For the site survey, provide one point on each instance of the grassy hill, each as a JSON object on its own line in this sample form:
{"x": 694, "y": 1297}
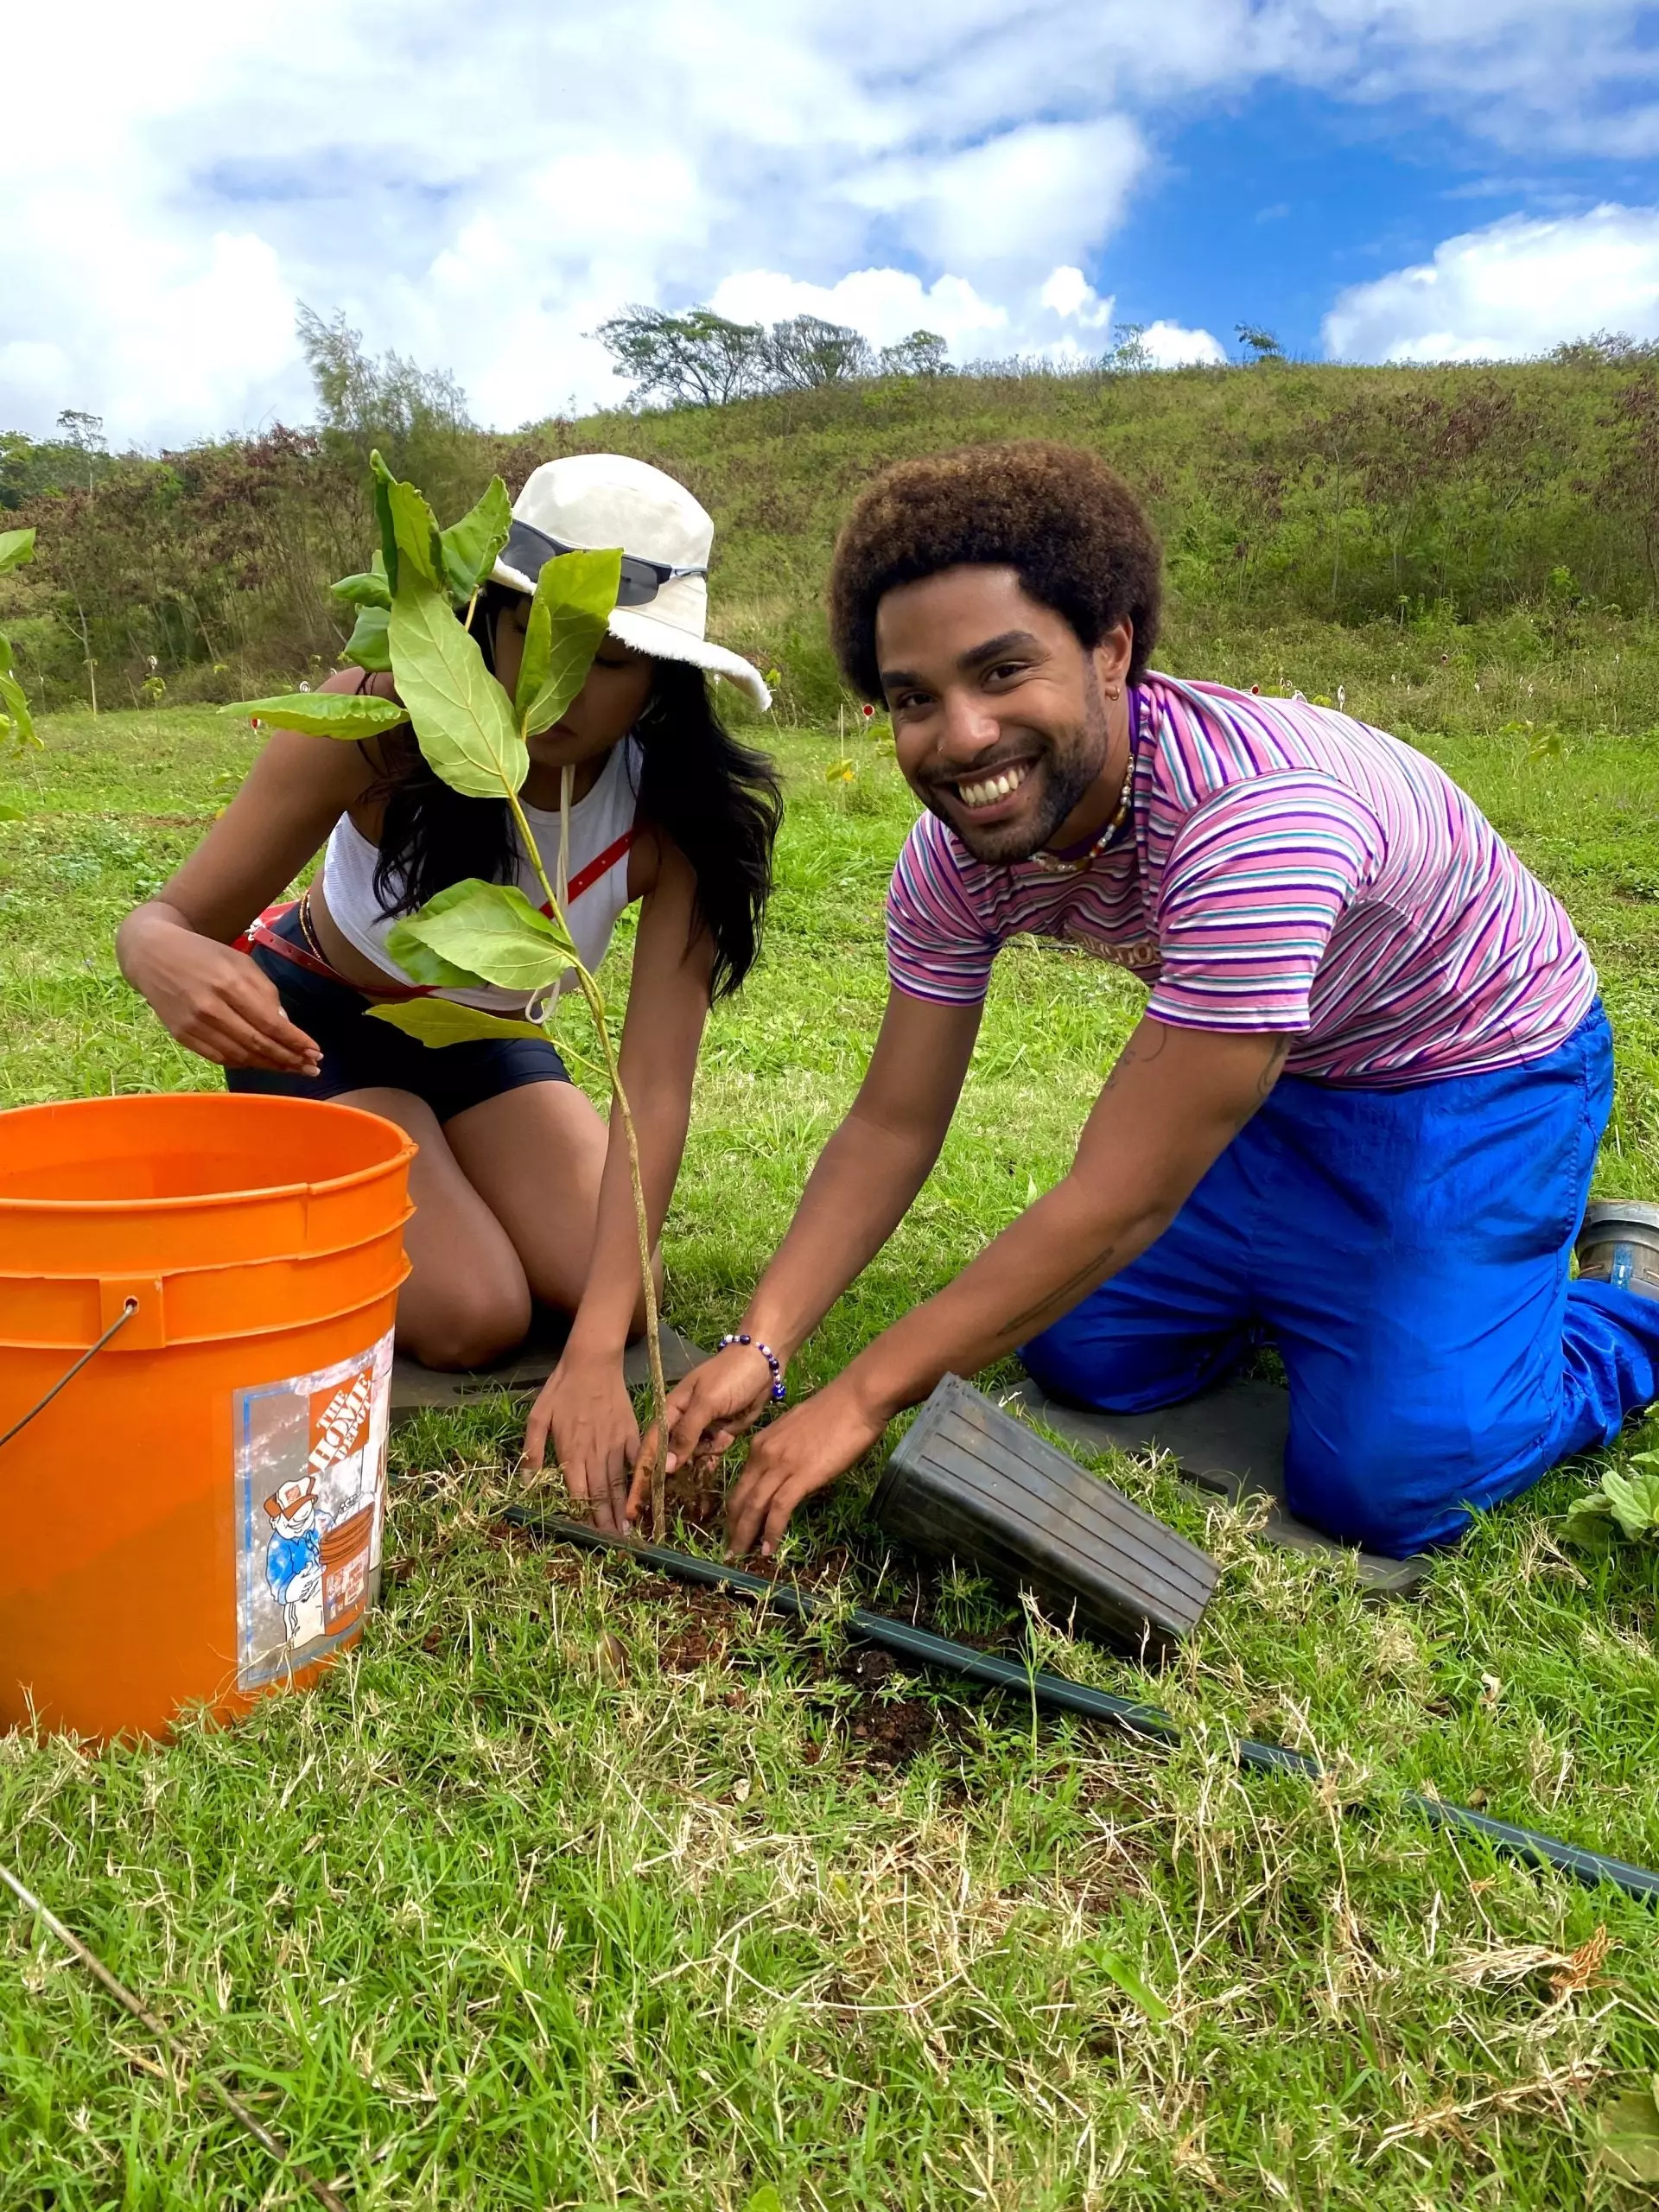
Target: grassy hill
{"x": 1325, "y": 525}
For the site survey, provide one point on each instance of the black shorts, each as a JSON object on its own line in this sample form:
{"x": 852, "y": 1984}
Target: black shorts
{"x": 358, "y": 1054}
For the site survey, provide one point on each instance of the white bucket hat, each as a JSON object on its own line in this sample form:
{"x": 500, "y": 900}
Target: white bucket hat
{"x": 601, "y": 499}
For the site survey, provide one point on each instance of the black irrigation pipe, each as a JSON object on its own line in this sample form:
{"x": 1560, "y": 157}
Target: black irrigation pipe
{"x": 1057, "y": 1695}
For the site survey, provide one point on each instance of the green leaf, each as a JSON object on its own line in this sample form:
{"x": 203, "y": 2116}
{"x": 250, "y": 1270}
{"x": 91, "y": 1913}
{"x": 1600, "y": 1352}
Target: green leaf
{"x": 441, "y": 1021}
{"x": 1635, "y": 1499}
{"x": 368, "y": 590}
{"x": 409, "y": 528}
{"x": 574, "y": 595}
{"x": 1627, "y": 2131}
{"x": 16, "y": 724}
{"x": 461, "y": 714}
{"x": 368, "y": 647}
{"x": 16, "y": 546}
{"x": 766, "y": 2199}
{"x": 1588, "y": 1521}
{"x": 471, "y": 545}
{"x": 326, "y": 714}
{"x": 1132, "y": 1983}
{"x": 382, "y": 479}
{"x": 10, "y": 810}
{"x": 483, "y": 931}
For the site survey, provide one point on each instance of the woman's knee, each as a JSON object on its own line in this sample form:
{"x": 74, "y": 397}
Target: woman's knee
{"x": 456, "y": 1332}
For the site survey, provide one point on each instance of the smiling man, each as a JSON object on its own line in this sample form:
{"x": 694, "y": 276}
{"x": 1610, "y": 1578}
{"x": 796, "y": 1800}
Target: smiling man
{"x": 1358, "y": 1118}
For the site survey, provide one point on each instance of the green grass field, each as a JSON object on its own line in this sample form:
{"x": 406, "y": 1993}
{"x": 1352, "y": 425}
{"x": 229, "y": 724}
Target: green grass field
{"x": 570, "y": 1890}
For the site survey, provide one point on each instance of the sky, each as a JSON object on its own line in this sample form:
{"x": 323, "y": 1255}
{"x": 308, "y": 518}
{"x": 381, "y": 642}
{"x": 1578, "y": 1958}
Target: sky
{"x": 1370, "y": 180}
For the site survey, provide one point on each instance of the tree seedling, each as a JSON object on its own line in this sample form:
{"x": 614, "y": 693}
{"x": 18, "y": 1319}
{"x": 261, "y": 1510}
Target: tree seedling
{"x": 476, "y": 935}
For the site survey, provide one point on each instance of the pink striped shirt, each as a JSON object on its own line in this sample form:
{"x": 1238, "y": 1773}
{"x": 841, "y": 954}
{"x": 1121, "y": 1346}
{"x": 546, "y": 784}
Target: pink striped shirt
{"x": 1290, "y": 869}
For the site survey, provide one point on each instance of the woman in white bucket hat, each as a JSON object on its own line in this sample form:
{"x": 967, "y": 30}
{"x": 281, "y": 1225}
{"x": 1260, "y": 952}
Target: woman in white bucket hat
{"x": 519, "y": 1192}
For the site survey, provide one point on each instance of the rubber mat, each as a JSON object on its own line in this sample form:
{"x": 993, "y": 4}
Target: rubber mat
{"x": 523, "y": 1372}
{"x": 1230, "y": 1441}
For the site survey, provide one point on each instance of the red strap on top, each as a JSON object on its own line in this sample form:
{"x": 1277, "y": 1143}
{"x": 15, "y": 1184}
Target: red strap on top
{"x": 586, "y": 878}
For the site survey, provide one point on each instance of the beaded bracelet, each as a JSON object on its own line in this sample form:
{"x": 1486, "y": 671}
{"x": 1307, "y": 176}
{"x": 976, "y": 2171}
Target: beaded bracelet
{"x": 778, "y": 1393}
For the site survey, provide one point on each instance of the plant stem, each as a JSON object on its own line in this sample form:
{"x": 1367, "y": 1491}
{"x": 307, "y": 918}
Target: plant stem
{"x": 591, "y": 993}
{"x": 176, "y": 2051}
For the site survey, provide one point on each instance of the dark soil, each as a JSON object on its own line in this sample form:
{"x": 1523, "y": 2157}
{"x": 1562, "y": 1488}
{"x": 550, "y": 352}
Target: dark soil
{"x": 701, "y": 1629}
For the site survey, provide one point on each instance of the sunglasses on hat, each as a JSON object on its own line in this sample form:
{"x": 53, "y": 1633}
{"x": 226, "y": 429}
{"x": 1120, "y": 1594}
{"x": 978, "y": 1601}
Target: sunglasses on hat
{"x": 528, "y": 550}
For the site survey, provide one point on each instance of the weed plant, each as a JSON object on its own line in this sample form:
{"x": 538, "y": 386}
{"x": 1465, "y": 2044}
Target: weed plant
{"x": 572, "y": 1889}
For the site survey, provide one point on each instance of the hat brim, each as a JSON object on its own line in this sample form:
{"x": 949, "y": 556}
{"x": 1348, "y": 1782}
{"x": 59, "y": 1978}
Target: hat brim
{"x": 632, "y": 626}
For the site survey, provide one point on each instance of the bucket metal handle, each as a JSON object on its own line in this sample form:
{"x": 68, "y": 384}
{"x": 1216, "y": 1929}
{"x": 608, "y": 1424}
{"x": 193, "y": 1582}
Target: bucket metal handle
{"x": 128, "y": 1307}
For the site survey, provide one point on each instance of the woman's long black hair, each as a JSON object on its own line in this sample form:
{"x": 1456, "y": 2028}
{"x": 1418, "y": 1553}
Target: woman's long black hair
{"x": 718, "y": 800}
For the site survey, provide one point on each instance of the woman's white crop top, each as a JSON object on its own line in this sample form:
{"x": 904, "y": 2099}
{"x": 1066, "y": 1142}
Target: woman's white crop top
{"x": 601, "y": 833}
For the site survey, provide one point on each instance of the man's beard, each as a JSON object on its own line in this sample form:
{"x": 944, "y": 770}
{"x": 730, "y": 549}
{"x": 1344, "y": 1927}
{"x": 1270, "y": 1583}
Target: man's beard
{"x": 1067, "y": 765}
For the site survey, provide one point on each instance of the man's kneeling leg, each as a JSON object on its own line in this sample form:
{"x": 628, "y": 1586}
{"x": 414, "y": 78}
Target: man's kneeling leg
{"x": 1173, "y": 1322}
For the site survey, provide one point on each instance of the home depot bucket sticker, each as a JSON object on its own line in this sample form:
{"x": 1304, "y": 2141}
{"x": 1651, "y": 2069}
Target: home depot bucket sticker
{"x": 311, "y": 1494}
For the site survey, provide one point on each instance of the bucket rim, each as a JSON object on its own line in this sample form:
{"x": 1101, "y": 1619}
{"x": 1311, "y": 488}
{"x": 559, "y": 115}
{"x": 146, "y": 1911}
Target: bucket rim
{"x": 1608, "y": 1213}
{"x": 202, "y": 1200}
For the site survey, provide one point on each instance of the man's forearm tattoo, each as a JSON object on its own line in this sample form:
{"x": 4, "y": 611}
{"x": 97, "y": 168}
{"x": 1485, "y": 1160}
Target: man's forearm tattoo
{"x": 1067, "y": 1292}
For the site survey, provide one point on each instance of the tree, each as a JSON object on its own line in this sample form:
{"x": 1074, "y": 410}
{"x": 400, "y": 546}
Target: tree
{"x": 807, "y": 352}
{"x": 696, "y": 359}
{"x": 921, "y": 354}
{"x": 85, "y": 433}
{"x": 1261, "y": 344}
{"x": 1130, "y": 354}
{"x": 390, "y": 402}
{"x": 30, "y": 467}
{"x": 1602, "y": 349}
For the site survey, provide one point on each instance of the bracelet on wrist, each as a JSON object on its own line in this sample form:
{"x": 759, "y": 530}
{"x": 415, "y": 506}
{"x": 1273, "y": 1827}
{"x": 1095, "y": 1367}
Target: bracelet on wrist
{"x": 779, "y": 1392}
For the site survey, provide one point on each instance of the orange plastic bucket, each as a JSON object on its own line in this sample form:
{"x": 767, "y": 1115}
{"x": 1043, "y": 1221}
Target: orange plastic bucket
{"x": 196, "y": 1516}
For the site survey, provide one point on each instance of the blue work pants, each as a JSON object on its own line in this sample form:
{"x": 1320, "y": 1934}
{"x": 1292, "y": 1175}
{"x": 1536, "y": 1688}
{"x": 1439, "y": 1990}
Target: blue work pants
{"x": 1408, "y": 1252}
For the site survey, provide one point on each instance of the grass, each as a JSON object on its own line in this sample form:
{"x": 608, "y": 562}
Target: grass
{"x": 574, "y": 1890}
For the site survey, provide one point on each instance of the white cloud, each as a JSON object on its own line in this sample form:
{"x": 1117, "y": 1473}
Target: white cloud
{"x": 1026, "y": 196}
{"x": 1173, "y": 347}
{"x": 1068, "y": 293}
{"x": 481, "y": 189}
{"x": 1513, "y": 289}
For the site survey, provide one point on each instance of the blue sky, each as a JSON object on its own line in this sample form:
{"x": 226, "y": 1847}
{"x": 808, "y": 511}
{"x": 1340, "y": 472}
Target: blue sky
{"x": 1268, "y": 208}
{"x": 1371, "y": 179}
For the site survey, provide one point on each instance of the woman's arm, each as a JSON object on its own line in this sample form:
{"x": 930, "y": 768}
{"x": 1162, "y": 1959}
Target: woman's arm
{"x": 584, "y": 1411}
{"x": 175, "y": 948}
{"x": 668, "y": 1007}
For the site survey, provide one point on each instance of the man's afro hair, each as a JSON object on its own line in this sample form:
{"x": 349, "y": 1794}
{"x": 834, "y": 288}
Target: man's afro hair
{"x": 1076, "y": 535}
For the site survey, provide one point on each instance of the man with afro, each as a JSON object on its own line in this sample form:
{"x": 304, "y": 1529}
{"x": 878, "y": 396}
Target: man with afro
{"x": 1357, "y": 1119}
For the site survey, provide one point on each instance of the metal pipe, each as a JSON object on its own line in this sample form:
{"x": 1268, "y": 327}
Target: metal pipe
{"x": 1055, "y": 1693}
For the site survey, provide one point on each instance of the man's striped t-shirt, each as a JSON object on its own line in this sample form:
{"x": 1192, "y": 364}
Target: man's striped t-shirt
{"x": 1290, "y": 869}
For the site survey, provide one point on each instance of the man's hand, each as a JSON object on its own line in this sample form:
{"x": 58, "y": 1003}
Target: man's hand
{"x": 585, "y": 1413}
{"x": 806, "y": 1450}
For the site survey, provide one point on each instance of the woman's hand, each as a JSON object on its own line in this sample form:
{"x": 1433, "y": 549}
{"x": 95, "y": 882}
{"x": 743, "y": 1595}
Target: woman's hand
{"x": 585, "y": 1413}
{"x": 213, "y": 1000}
{"x": 714, "y": 1403}
{"x": 806, "y": 1450}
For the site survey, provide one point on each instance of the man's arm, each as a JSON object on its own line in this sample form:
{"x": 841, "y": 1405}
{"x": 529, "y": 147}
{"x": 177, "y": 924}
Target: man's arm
{"x": 1173, "y": 1102}
{"x": 860, "y": 1189}
{"x": 868, "y": 1174}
